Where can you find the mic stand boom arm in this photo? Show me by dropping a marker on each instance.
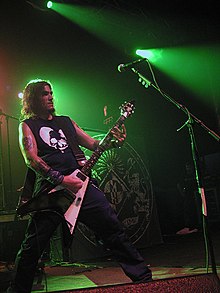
(189, 123)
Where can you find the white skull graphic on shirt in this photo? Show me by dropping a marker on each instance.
(53, 138)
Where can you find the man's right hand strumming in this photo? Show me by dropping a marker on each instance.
(72, 183)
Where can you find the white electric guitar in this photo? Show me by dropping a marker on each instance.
(71, 214)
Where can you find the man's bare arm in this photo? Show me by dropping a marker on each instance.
(84, 139)
(29, 151)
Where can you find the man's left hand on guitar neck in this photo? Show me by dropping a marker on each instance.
(119, 136)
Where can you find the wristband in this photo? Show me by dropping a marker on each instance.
(54, 177)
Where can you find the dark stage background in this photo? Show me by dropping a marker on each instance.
(35, 43)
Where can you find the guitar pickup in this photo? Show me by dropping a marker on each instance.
(81, 176)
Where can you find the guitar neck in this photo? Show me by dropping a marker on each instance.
(86, 169)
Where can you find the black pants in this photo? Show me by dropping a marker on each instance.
(97, 214)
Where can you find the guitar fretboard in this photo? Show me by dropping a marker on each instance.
(86, 169)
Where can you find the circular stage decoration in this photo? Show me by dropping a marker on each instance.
(125, 180)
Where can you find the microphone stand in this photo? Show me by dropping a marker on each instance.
(195, 155)
(9, 156)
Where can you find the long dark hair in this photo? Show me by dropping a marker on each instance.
(31, 97)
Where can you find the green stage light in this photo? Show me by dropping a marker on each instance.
(49, 4)
(151, 54)
(144, 53)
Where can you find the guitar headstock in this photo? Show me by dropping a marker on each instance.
(127, 109)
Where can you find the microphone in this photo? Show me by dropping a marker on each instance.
(123, 67)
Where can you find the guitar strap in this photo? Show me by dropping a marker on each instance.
(66, 125)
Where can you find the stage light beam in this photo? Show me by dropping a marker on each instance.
(194, 67)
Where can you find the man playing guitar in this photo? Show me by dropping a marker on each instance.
(50, 147)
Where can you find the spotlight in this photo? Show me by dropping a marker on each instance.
(20, 95)
(151, 54)
(49, 4)
(42, 5)
(145, 53)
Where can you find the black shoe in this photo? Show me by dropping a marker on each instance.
(143, 281)
(146, 279)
